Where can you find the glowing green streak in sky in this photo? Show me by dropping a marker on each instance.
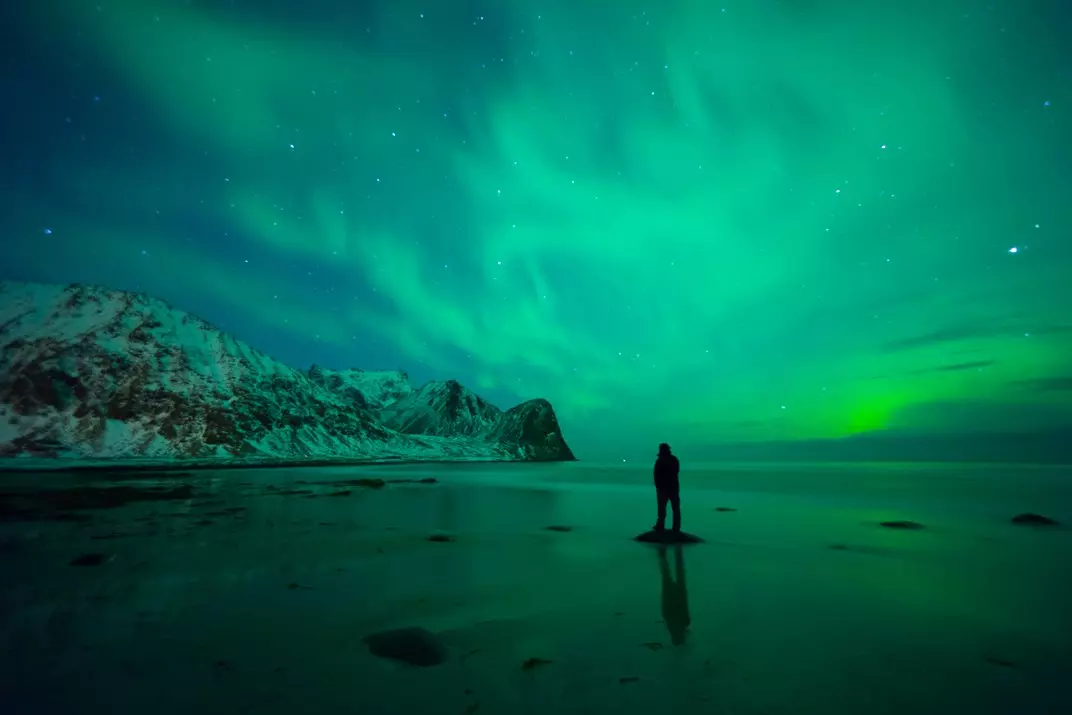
(753, 223)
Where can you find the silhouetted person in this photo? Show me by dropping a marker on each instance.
(675, 595)
(667, 488)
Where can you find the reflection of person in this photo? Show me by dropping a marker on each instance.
(667, 488)
(675, 595)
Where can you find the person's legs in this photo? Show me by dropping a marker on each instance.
(662, 497)
(675, 504)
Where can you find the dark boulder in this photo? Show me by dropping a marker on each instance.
(1034, 520)
(668, 537)
(415, 646)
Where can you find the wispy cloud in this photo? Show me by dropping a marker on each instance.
(972, 331)
(1061, 383)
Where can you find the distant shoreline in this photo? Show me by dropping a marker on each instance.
(32, 465)
(42, 465)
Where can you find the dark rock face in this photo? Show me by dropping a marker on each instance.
(444, 409)
(534, 428)
(336, 383)
(529, 431)
(91, 372)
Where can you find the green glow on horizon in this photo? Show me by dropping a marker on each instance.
(738, 224)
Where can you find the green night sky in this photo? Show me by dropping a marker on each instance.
(691, 221)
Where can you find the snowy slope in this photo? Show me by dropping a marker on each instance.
(442, 408)
(374, 389)
(91, 372)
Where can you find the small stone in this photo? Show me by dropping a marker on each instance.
(531, 663)
(68, 516)
(1034, 520)
(1000, 662)
(232, 511)
(111, 535)
(629, 679)
(91, 559)
(724, 508)
(441, 536)
(415, 646)
(222, 668)
(558, 527)
(668, 536)
(907, 525)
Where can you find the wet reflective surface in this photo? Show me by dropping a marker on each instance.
(257, 591)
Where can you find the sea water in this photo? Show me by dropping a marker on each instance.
(254, 592)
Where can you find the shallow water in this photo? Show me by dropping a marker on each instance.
(263, 608)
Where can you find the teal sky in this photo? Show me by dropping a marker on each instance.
(689, 221)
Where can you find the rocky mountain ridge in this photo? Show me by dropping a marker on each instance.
(90, 372)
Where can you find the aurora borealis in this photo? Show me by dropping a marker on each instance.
(691, 221)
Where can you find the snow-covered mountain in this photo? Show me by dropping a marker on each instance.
(96, 373)
(373, 389)
(442, 408)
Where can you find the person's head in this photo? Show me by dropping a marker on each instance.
(664, 449)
